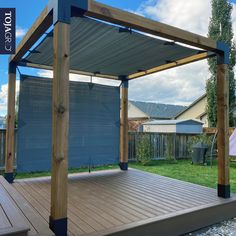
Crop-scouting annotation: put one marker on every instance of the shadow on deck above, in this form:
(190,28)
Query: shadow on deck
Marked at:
(130,203)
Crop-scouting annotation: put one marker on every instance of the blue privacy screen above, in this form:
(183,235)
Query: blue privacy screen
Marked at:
(94,124)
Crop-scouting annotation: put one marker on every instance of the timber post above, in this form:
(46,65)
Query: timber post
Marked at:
(223,120)
(60,126)
(10,132)
(124,125)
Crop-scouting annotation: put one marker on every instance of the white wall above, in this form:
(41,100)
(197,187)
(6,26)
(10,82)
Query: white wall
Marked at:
(159,128)
(135,113)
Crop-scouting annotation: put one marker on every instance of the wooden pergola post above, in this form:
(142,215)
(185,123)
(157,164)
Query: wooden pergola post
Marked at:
(60,127)
(223,123)
(124,125)
(10,133)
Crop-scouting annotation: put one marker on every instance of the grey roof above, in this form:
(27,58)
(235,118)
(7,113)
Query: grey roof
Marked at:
(98,47)
(173,122)
(158,110)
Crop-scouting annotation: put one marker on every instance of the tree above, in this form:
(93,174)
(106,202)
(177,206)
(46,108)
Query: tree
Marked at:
(220,29)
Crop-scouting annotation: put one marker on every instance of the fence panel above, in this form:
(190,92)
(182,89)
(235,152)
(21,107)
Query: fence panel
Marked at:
(3,148)
(159,145)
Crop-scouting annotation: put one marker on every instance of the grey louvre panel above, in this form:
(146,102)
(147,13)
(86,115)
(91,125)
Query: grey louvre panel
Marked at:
(103,48)
(94,125)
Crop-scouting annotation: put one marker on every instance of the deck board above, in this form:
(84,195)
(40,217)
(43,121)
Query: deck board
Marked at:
(23,215)
(124,203)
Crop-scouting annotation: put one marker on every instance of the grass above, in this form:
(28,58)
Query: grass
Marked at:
(184,170)
(181,169)
(71,171)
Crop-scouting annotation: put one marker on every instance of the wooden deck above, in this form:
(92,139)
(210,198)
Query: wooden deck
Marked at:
(17,217)
(130,203)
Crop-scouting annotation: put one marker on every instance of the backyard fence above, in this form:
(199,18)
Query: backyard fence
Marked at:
(3,148)
(159,145)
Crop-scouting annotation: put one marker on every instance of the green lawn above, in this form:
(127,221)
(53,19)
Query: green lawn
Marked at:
(184,170)
(71,171)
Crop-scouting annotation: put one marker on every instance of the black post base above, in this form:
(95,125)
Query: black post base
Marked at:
(123,165)
(223,191)
(59,227)
(9,177)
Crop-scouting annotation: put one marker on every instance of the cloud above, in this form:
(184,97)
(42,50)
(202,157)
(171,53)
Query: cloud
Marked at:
(175,86)
(189,15)
(234,20)
(82,78)
(20,32)
(184,84)
(3,97)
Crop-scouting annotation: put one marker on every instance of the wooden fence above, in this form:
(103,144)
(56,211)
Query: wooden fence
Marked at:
(160,145)
(3,148)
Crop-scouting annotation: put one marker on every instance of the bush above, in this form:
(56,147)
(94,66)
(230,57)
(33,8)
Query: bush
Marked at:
(144,149)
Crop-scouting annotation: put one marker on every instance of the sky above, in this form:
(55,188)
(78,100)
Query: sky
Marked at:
(180,85)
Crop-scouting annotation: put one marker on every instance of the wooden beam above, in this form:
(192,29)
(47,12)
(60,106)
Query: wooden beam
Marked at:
(10,133)
(223,130)
(43,22)
(60,127)
(124,126)
(213,130)
(27,64)
(170,65)
(127,19)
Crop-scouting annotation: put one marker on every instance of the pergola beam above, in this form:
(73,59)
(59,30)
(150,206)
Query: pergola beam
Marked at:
(130,20)
(44,67)
(170,65)
(43,22)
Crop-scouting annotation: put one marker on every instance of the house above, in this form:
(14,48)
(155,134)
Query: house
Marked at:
(140,112)
(188,126)
(196,110)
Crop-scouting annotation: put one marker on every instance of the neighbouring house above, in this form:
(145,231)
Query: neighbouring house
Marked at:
(140,112)
(196,110)
(189,126)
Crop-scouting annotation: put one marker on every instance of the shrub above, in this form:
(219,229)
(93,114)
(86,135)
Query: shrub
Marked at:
(144,149)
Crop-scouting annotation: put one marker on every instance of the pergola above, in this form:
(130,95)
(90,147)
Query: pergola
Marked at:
(85,40)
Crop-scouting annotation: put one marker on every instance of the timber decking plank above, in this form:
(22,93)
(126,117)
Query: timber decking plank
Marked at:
(124,215)
(44,212)
(185,193)
(125,201)
(36,223)
(137,200)
(95,201)
(182,192)
(80,216)
(143,198)
(146,197)
(92,209)
(73,216)
(115,201)
(12,213)
(45,200)
(4,221)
